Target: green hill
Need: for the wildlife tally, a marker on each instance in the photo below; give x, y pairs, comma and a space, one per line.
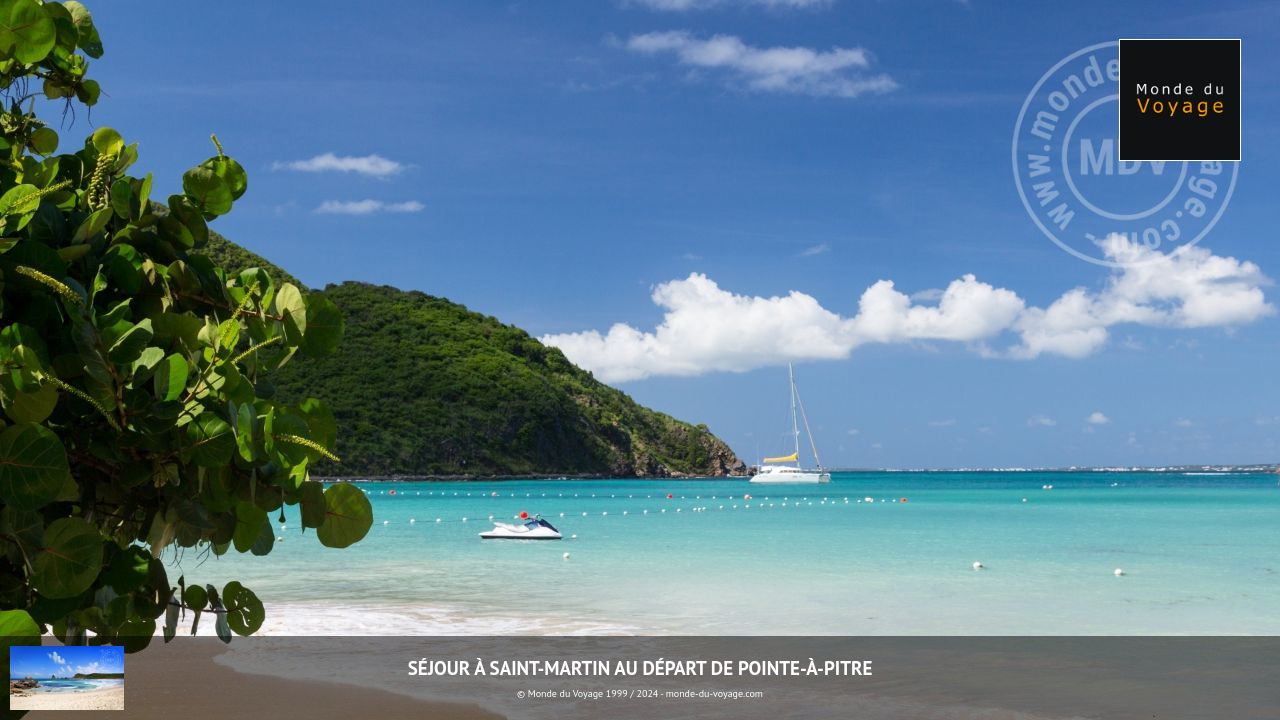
424, 386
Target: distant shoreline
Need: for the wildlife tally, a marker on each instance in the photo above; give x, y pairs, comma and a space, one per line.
1171, 469
527, 476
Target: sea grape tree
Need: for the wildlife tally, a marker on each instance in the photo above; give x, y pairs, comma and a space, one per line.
135, 376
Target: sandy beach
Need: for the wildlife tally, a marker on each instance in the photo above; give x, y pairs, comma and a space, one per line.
111, 698
184, 675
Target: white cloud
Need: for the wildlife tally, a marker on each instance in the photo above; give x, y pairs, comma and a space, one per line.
815, 250
1041, 421
367, 207
1183, 423
684, 5
1097, 418
853, 431
56, 658
370, 165
708, 329
839, 72
942, 423
93, 667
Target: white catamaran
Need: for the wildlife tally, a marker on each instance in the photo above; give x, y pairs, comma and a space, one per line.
774, 469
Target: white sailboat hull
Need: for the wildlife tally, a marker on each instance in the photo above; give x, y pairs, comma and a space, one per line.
790, 476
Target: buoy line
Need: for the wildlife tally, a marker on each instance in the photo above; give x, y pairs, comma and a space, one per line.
747, 502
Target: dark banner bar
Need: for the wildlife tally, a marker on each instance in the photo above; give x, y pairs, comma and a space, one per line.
953, 678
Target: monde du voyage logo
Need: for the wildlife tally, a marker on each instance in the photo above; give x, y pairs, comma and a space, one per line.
1138, 138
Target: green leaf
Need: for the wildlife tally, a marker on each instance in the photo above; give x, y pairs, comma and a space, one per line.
195, 598
231, 172
19, 205
250, 520
244, 610
246, 419
324, 326
70, 561
209, 192
171, 377
213, 440
128, 570
291, 305
44, 141
347, 516
312, 504
88, 40
129, 346
33, 466
121, 196
32, 406
135, 635
107, 142
17, 628
26, 32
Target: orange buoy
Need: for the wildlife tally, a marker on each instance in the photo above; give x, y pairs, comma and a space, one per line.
393, 492
524, 515
904, 499
668, 496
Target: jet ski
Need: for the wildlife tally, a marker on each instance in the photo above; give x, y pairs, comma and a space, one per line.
535, 528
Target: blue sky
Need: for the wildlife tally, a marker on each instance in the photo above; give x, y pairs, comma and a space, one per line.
46, 661
556, 164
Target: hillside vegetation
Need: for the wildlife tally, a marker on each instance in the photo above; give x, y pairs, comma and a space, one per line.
423, 386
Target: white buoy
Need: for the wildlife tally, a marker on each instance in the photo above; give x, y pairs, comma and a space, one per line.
279, 538
412, 521
566, 556
1024, 499
386, 522
1119, 572
977, 565
464, 519
437, 519
573, 537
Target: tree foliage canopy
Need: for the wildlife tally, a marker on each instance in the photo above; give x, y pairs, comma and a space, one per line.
135, 374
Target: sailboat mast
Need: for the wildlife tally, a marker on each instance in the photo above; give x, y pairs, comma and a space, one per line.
812, 445
795, 429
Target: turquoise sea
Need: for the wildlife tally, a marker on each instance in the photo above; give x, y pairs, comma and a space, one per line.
1200, 555
73, 685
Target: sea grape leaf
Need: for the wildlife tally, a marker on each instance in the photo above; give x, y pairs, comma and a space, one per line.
244, 610
128, 570
33, 466
207, 191
27, 34
70, 560
312, 504
347, 516
324, 326
213, 440
17, 628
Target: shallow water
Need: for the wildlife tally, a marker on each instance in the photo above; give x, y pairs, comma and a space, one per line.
1201, 555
